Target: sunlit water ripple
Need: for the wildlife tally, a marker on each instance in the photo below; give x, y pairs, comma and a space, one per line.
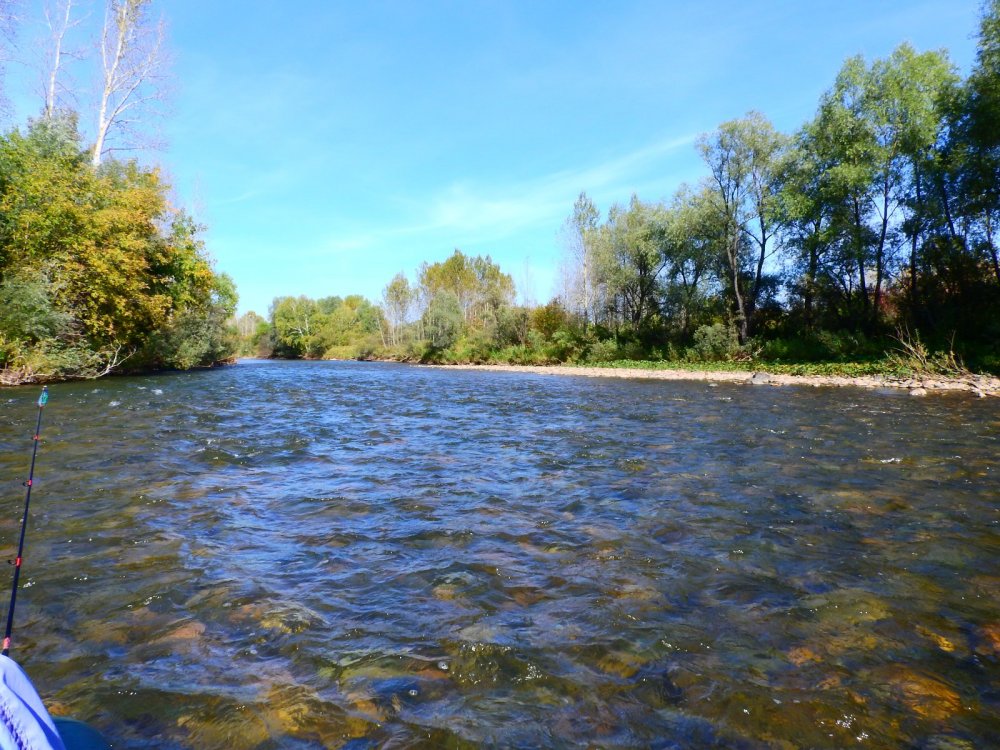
311, 555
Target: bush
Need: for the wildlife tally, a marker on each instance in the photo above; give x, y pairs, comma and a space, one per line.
715, 343
603, 351
565, 346
476, 348
818, 346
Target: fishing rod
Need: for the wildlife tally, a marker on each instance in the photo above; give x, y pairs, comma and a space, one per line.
42, 400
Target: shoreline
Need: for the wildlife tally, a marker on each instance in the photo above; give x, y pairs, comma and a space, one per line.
979, 385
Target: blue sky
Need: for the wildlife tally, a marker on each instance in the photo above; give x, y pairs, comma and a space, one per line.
328, 145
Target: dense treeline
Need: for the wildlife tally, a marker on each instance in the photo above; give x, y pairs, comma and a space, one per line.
876, 222
98, 270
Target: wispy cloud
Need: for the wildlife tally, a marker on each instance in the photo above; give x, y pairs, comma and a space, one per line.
470, 211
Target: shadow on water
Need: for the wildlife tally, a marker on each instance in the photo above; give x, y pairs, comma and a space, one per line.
345, 555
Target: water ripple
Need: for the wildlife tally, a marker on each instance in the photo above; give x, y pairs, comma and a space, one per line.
312, 555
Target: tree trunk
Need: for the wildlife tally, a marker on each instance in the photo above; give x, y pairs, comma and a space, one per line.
880, 251
993, 246
810, 286
741, 315
58, 37
859, 250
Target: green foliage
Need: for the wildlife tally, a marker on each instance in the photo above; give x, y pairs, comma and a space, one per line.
549, 319
818, 346
294, 322
913, 357
29, 312
602, 351
715, 343
97, 270
478, 285
443, 320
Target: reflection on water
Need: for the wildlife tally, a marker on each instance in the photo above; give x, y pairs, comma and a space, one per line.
311, 555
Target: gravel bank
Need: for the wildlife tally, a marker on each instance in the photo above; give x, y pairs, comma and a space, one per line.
978, 384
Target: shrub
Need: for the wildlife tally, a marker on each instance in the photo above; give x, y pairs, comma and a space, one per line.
603, 351
715, 343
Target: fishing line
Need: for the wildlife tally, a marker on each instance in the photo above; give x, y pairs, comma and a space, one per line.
42, 400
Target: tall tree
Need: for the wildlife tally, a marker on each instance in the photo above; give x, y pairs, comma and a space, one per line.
397, 300
133, 72
59, 21
579, 236
630, 262
8, 28
884, 120
690, 241
980, 133
294, 322
478, 284
746, 158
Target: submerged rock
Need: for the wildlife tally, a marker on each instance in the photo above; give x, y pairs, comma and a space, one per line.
988, 640
923, 695
803, 655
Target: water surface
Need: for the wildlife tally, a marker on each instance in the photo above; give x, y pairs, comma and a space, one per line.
345, 555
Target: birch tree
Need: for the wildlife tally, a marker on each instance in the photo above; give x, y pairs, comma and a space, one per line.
397, 301
59, 22
579, 233
133, 66
8, 26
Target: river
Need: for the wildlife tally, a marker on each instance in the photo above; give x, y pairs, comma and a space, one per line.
353, 555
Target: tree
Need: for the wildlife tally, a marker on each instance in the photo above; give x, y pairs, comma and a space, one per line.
979, 136
96, 267
689, 246
133, 66
629, 262
579, 233
294, 321
348, 324
478, 284
883, 121
8, 29
815, 207
443, 319
59, 21
397, 300
747, 160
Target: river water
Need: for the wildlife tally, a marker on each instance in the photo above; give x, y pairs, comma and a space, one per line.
350, 555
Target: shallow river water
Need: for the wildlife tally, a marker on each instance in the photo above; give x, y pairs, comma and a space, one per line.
348, 555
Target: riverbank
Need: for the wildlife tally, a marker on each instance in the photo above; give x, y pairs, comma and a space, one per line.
980, 385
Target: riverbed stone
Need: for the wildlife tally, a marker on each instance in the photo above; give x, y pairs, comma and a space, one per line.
988, 640
924, 695
918, 392
760, 378
802, 655
189, 631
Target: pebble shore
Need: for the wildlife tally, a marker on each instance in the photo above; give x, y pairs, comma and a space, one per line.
979, 385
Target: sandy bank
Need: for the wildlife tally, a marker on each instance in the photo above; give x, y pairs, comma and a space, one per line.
978, 384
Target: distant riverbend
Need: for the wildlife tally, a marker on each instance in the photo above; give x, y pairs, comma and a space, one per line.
291, 554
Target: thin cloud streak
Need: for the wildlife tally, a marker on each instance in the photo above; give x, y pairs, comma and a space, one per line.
468, 212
